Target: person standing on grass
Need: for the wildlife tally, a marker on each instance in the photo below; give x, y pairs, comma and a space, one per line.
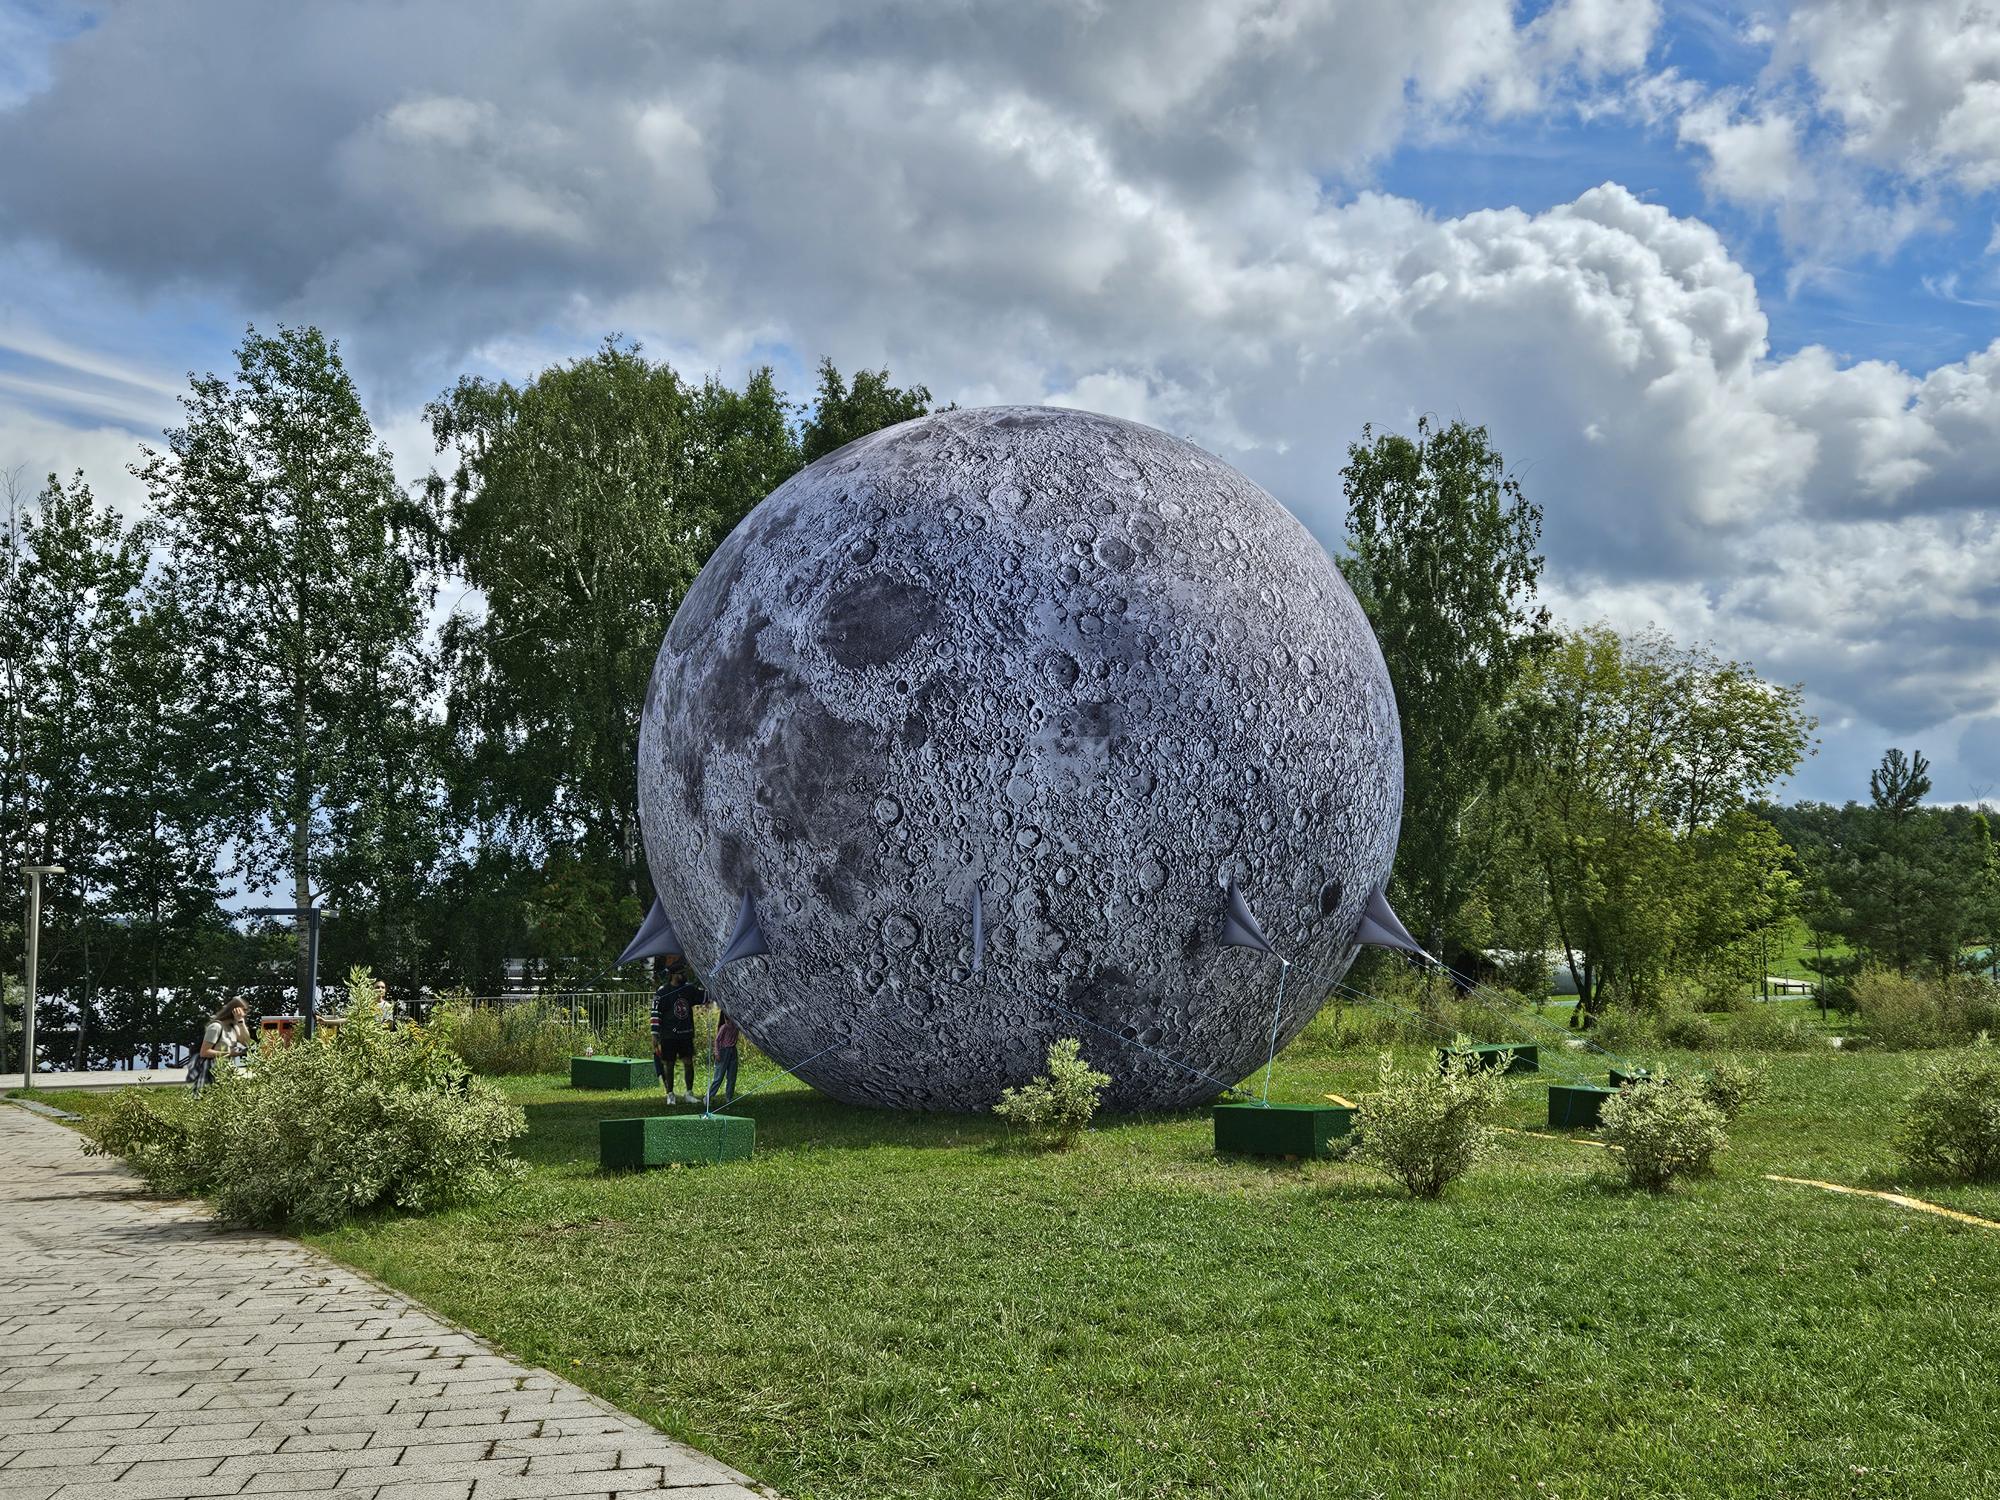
226, 1035
726, 1038
673, 1024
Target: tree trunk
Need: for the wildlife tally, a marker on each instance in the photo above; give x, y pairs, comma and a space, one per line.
302, 844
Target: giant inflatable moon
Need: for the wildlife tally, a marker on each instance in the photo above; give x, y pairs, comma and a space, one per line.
1071, 661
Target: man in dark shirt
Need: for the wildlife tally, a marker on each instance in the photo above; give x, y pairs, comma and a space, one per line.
679, 992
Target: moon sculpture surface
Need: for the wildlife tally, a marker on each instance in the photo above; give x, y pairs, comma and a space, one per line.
1069, 662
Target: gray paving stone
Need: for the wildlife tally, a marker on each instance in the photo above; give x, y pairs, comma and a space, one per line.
167, 1359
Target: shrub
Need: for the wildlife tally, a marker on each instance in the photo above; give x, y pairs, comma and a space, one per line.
1688, 1030
1427, 1128
528, 1036
630, 1033
1667, 1130
1761, 1028
323, 1129
1951, 1124
1902, 1010
1060, 1103
1982, 1005
1730, 1085
156, 1143
1620, 1029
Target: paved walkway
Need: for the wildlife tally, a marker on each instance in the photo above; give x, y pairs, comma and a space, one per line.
147, 1355
116, 1078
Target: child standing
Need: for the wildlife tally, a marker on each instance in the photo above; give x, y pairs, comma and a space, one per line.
726, 1037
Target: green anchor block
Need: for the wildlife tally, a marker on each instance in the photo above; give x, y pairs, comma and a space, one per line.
1574, 1105
1301, 1130
611, 1073
664, 1140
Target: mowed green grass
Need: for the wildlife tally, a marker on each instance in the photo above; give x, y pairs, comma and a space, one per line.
881, 1305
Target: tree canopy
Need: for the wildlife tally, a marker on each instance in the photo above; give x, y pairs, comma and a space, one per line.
1442, 555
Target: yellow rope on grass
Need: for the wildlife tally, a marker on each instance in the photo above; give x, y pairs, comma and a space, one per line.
1568, 1140
1901, 1200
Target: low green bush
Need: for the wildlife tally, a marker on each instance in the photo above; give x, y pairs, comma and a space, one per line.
1730, 1085
155, 1142
1763, 1028
1908, 1011
1951, 1124
1666, 1128
1060, 1103
628, 1034
1689, 1030
1620, 1029
1427, 1127
317, 1131
525, 1036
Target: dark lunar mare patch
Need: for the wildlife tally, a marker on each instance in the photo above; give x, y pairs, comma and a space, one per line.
1070, 659
876, 620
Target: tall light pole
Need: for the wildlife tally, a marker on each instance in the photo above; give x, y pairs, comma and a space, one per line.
34, 873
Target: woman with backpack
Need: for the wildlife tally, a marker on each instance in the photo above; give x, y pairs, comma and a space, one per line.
226, 1035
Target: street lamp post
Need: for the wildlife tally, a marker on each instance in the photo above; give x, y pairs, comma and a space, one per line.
34, 874
309, 1001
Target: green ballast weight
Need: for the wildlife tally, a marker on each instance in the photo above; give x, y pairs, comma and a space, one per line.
611, 1072
667, 1140
1302, 1130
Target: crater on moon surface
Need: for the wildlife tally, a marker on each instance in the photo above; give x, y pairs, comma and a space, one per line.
1071, 660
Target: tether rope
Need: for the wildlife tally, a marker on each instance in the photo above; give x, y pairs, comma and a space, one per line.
1277, 1014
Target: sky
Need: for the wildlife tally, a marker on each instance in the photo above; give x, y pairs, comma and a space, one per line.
1722, 282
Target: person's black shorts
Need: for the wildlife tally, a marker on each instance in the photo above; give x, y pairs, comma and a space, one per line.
675, 1047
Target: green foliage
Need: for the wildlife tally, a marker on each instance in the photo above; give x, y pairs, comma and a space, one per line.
629, 1033
1442, 557
1894, 884
1689, 1030
1951, 1123
301, 565
108, 766
1061, 1102
1667, 1128
1913, 1010
1640, 758
360, 986
156, 1143
581, 505
1730, 1086
526, 1036
1764, 1028
841, 413
1620, 1028
318, 1131
576, 920
1426, 1127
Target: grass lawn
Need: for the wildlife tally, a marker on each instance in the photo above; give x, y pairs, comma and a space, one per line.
884, 1305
